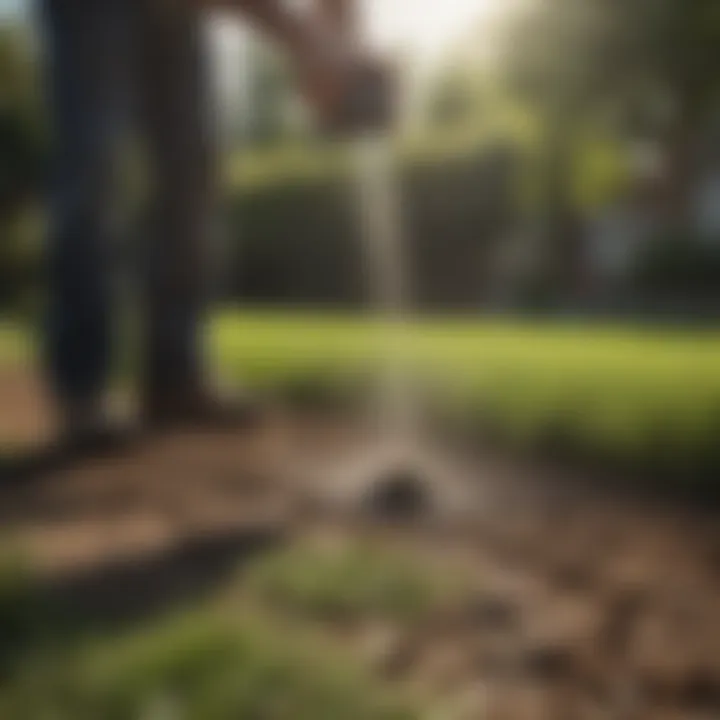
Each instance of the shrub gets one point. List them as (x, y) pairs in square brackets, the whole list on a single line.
[(682, 265)]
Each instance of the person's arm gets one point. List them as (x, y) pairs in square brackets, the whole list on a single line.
[(340, 15), (324, 45), (321, 54), (296, 32)]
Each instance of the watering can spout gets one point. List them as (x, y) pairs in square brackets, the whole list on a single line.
[(369, 105)]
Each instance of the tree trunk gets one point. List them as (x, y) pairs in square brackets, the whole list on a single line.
[(681, 172), (557, 211)]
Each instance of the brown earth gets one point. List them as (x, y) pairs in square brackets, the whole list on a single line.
[(592, 606)]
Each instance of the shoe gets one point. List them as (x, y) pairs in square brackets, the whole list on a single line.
[(89, 431), (101, 440), (201, 411)]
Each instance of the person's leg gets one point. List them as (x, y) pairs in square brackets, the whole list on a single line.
[(84, 53), (175, 112), (178, 126)]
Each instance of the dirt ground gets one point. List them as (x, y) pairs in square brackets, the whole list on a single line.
[(593, 606)]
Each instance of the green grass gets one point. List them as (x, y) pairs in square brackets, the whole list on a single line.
[(23, 613), (645, 397), (235, 656), (354, 580), (265, 645), (14, 345), (199, 666)]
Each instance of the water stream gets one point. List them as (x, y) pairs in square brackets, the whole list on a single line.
[(379, 202)]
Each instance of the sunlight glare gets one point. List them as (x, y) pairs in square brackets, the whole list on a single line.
[(424, 27)]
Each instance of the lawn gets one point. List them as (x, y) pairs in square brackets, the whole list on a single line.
[(14, 343), (645, 396), (629, 395)]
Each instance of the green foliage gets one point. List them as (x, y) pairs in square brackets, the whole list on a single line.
[(457, 96), (20, 237), (635, 69), (629, 59), (21, 132), (680, 265), (22, 153), (300, 229)]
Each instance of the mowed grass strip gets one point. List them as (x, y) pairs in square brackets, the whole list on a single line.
[(644, 397), (15, 345)]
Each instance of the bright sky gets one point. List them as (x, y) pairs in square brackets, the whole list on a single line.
[(11, 8), (425, 26)]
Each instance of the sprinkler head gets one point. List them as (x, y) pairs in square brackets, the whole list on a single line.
[(400, 493)]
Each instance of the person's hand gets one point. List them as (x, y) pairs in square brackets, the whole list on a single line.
[(349, 91), (326, 75)]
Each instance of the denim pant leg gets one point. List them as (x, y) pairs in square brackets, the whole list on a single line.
[(85, 49), (176, 123)]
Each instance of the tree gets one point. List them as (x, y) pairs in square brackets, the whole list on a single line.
[(454, 97), (21, 153), (21, 135), (647, 66)]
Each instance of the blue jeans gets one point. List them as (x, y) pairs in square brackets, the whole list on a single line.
[(115, 66)]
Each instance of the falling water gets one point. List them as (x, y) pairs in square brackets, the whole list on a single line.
[(381, 217), (400, 473), (403, 472)]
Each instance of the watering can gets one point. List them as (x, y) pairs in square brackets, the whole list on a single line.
[(369, 105)]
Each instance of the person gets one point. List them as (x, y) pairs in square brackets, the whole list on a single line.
[(119, 63)]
